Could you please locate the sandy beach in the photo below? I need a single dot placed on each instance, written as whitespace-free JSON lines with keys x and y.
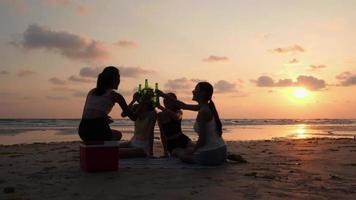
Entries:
{"x":276,"y":169}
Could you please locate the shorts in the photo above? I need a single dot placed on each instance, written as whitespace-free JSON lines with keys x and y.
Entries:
{"x":211,"y":157}
{"x":94,"y":130}
{"x":179,"y":142}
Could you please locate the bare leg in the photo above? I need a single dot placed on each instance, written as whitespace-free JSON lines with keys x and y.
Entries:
{"x":116,"y":135}
{"x":163,"y":137}
{"x":151,"y":127}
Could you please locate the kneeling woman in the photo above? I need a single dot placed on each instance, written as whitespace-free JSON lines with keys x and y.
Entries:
{"x":210,"y":148}
{"x":94,"y":125}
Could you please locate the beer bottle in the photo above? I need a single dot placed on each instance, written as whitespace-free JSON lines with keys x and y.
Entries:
{"x":156,"y":98}
{"x":146,"y":86}
{"x":139,"y":89}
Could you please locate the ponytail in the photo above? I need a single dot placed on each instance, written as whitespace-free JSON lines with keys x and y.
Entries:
{"x":100,"y":89}
{"x":208,"y":91}
{"x":106,"y":80}
{"x":216,"y":117}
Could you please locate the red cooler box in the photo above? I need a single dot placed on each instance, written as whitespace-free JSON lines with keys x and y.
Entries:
{"x":99,"y":156}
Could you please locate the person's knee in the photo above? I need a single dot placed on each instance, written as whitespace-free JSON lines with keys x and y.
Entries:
{"x":117,"y":135}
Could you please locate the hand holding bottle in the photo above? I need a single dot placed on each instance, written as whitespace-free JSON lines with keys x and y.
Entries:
{"x":160,"y":93}
{"x":136,"y":96}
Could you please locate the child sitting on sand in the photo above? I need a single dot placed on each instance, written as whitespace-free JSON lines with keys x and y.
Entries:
{"x":169,"y":121}
{"x":141,"y":144}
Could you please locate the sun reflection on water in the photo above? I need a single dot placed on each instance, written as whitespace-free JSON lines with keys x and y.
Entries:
{"x":300,"y":132}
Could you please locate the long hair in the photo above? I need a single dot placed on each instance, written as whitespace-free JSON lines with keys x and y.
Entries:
{"x":106,"y":80}
{"x":208,"y":90}
{"x":174,"y":108}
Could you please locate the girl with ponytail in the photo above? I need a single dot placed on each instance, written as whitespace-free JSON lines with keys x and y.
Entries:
{"x":210,"y":148}
{"x":94,"y":125}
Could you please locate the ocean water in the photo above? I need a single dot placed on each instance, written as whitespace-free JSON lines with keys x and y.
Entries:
{"x":15,"y":131}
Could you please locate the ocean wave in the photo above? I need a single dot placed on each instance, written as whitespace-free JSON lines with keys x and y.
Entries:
{"x":28,"y":124}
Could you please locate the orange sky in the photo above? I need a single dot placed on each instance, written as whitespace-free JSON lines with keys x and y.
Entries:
{"x":255,"y":53}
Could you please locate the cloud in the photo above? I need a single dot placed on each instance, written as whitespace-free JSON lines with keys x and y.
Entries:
{"x":265,"y":81}
{"x":74,"y":92}
{"x":317,"y":67}
{"x":91,"y":72}
{"x":343,"y":75}
{"x":57,"y":81}
{"x":83,"y":10}
{"x":4,"y":72}
{"x":308,"y":82}
{"x":127,"y":43}
{"x":63,"y":89}
{"x":134,"y":72}
{"x":223,"y":86}
{"x":125,"y":72}
{"x":293,"y":61}
{"x":347,"y":79}
{"x":74,"y":78}
{"x":196,"y":80}
{"x":186,"y":85}
{"x":70,"y":45}
{"x":290,"y":49}
{"x":213,"y":58}
{"x":25,"y":73}
{"x":284,"y":83}
{"x":56,"y":98}
{"x":180,"y":84}
{"x":79,"y":94}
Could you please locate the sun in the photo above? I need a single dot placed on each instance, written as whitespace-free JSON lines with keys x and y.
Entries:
{"x":300,"y":93}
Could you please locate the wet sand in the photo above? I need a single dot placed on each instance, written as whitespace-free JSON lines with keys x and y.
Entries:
{"x":276,"y":169}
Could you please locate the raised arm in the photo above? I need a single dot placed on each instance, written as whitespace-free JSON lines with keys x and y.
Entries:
{"x":118,"y":98}
{"x":173,"y":115}
{"x":180,"y":104}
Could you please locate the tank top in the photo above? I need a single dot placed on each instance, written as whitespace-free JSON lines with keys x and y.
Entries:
{"x":213,"y":140}
{"x":98,"y":106}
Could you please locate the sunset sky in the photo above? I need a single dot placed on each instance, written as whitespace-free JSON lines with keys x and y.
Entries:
{"x":266,"y":59}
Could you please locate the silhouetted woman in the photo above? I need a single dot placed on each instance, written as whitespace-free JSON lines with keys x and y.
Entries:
{"x":94,"y":125}
{"x":210,"y":148}
{"x":169,"y":121}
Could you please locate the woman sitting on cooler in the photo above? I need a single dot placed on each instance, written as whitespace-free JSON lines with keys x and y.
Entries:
{"x":94,"y":125}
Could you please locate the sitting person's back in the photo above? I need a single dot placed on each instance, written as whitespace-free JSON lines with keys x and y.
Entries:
{"x":94,"y":125}
{"x":98,"y":106}
{"x":142,"y":139}
{"x":144,"y":129}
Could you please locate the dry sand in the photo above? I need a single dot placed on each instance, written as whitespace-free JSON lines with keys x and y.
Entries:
{"x":294,"y":169}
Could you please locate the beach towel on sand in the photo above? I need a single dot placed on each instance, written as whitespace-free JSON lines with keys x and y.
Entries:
{"x":159,"y":163}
